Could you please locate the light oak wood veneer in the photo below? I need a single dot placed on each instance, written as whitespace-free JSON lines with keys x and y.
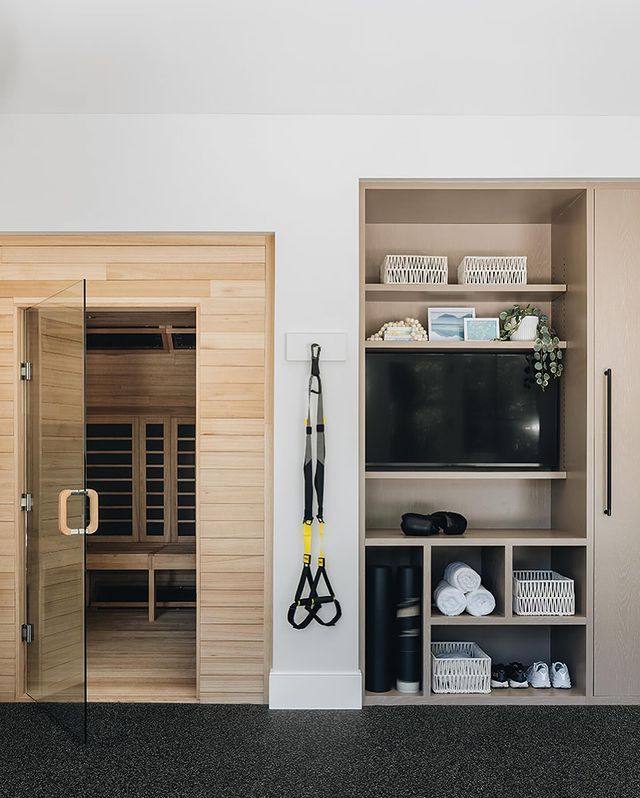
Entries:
{"x":582,"y":240}
{"x":228,"y":280}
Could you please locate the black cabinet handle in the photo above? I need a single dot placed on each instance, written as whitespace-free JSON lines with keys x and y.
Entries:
{"x":607,"y":508}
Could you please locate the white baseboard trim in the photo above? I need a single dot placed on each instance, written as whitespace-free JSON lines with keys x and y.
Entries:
{"x":315,"y":690}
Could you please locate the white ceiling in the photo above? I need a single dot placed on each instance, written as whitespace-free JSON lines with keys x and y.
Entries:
{"x":480,"y":57}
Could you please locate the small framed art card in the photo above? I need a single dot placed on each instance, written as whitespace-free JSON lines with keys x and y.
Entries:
{"x":481,"y":329}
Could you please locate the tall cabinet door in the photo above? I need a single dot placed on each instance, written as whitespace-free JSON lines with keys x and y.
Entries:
{"x":617,"y":438}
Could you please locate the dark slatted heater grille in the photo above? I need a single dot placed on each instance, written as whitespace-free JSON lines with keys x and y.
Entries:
{"x":154,"y":483}
{"x":186,"y":480}
{"x":110,"y":472}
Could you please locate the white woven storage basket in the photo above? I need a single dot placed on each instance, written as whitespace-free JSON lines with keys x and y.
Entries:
{"x":543,"y":593}
{"x":493,"y":270}
{"x":432,"y":269}
{"x":468,"y":674}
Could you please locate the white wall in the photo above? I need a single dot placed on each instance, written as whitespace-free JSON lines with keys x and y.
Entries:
{"x":298,"y":177}
{"x":320,"y":56}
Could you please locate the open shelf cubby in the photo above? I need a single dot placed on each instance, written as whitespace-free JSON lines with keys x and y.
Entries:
{"x":519,"y":518}
{"x":489,"y":561}
{"x":543,"y":642}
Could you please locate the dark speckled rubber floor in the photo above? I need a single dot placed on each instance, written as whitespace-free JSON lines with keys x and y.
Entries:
{"x":168,"y":750}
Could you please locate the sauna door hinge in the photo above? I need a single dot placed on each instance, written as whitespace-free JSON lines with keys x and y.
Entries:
{"x":26,"y":502}
{"x":26,"y":370}
{"x":26,"y":633}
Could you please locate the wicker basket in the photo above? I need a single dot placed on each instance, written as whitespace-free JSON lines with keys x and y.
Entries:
{"x":492,"y":270}
{"x":432,"y":269}
{"x":543,"y":593}
{"x":468,"y":674}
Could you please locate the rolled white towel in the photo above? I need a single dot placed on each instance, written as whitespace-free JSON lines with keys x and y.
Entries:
{"x":462,"y":576}
{"x":449,"y":600}
{"x":480,"y":602}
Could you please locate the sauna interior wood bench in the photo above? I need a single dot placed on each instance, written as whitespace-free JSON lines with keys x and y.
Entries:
{"x":148,"y":557}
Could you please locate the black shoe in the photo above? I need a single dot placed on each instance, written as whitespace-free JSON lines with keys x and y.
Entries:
{"x":517,"y":675}
{"x":499,"y":676}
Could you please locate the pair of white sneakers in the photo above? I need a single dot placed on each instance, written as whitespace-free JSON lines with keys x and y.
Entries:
{"x":541,"y":675}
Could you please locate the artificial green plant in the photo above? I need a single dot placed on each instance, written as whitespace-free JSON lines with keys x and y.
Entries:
{"x":546,"y":360}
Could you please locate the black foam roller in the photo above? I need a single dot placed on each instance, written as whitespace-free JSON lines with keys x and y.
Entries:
{"x":379,"y":629}
{"x":409,"y":628}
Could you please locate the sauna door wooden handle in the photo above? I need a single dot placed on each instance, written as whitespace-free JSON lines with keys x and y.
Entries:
{"x":94,"y":518}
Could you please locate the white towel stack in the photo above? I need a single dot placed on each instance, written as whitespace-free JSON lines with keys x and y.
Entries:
{"x":460,"y":590}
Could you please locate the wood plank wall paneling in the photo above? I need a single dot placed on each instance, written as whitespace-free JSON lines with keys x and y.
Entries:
{"x":146,"y":383}
{"x":228,"y":279}
{"x":232,"y":403}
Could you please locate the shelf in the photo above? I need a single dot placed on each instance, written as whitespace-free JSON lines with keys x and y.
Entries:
{"x":437,"y":619}
{"x":377,"y":292}
{"x":504,"y":695}
{"x":476,"y":537}
{"x":477,"y":474}
{"x":518,"y":695}
{"x":445,"y":346}
{"x":394,"y":697}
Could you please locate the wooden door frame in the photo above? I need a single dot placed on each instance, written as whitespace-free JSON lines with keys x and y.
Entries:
{"x":42,"y":280}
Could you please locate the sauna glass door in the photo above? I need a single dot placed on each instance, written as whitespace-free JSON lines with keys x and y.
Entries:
{"x":57,"y":522}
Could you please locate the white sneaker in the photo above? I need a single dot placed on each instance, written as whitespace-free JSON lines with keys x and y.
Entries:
{"x":560,"y":675}
{"x":538,"y":675}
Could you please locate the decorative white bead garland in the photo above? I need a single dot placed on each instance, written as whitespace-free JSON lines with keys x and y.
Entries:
{"x":418,"y":332}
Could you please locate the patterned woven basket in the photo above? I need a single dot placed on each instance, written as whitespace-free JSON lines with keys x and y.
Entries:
{"x":493,"y":270}
{"x":468,"y":674}
{"x":543,"y":593}
{"x":399,"y":269}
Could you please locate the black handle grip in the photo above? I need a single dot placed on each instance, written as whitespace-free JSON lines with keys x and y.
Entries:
{"x":315,"y":360}
{"x":607,"y":508}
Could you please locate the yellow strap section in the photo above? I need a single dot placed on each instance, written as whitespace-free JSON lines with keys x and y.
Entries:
{"x":307,"y":531}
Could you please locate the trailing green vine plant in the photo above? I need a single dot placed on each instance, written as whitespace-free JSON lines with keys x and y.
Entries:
{"x":546,"y":361}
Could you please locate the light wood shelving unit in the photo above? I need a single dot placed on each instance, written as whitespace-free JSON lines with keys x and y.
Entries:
{"x":518,"y":518}
{"x":475,"y":537}
{"x":444,"y":346}
{"x":453,"y":474}
{"x":495,"y":697}
{"x":377,"y":292}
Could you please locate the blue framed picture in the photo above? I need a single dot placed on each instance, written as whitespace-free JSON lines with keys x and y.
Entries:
{"x":447,"y":324}
{"x":481,"y":329}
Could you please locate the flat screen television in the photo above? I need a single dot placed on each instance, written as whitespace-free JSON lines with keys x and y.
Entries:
{"x":437,"y":410}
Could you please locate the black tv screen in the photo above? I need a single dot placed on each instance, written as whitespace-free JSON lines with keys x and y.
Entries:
{"x":458,"y":410}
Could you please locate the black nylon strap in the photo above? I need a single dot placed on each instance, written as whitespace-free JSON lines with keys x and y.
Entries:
{"x":309,"y":604}
{"x":313,"y":602}
{"x":307,"y":471}
{"x":321,"y":573}
{"x":318,"y":482}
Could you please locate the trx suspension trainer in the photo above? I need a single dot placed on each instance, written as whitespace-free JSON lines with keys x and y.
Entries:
{"x":313,"y":602}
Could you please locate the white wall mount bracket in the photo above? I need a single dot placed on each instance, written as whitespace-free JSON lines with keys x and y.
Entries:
{"x":334,"y":345}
